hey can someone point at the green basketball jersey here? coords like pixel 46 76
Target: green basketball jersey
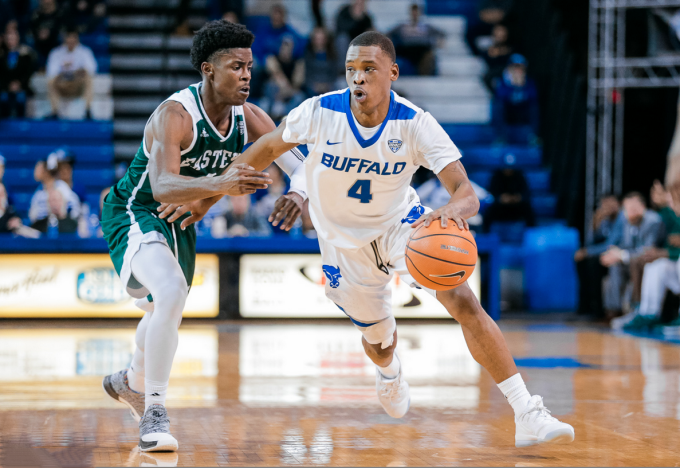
pixel 208 155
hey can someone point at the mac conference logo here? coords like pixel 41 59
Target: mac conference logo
pixel 100 286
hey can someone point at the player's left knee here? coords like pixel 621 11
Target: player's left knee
pixel 461 303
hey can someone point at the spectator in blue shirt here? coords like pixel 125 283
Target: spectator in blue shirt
pixel 516 98
pixel 270 36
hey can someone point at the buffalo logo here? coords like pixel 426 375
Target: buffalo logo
pixel 394 145
pixel 333 275
pixel 413 215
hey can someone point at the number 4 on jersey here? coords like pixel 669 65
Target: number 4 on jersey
pixel 361 190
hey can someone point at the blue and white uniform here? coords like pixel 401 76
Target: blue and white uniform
pixel 360 198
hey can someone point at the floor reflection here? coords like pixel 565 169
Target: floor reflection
pixel 303 394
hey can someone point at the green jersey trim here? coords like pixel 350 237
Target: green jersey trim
pixel 196 91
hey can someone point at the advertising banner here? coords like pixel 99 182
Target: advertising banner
pixel 293 286
pixel 86 285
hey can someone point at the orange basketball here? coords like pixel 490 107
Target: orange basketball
pixel 441 258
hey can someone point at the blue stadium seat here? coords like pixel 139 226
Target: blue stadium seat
pixel 545 206
pixel 94 179
pixel 512 256
pixel 56 132
pixel 470 134
pixel 22 202
pixel 99 43
pixel 103 64
pixel 92 199
pixel 25 156
pixel 467 8
pixel 498 156
pixel 511 231
pixel 19 179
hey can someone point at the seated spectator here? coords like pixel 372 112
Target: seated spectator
pixel 516 100
pixel 497 56
pixel 415 43
pixel 87 15
pixel 351 21
pixel 590 271
pixel 270 37
pixel 655 270
pixel 283 91
pixel 321 64
pixel 65 162
pixel 491 12
pixel 243 222
pixel 636 229
pixel 512 200
pixel 46 173
pixel 70 69
pixel 46 23
pixel 57 215
pixel 9 219
pixel 17 64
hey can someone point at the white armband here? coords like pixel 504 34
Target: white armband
pixel 292 163
pixel 290 160
pixel 298 182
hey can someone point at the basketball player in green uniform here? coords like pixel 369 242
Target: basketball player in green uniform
pixel 181 169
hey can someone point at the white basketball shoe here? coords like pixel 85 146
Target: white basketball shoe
pixel 393 394
pixel 536 426
pixel 154 431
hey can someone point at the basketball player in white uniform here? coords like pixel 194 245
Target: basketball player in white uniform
pixel 365 142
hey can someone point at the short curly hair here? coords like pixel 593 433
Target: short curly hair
pixel 217 36
pixel 374 38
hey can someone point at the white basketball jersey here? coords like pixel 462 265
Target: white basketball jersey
pixel 359 188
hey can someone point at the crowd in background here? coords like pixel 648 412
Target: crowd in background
pixel 630 259
pixel 43 37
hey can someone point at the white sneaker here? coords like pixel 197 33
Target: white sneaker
pixel 536 426
pixel 619 322
pixel 393 394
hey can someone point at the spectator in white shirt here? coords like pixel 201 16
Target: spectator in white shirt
pixel 45 173
pixel 70 69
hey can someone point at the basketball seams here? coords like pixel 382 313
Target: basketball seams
pixel 445 234
pixel 428 279
pixel 440 259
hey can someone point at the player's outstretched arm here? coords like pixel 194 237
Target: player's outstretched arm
pixel 266 149
pixel 170 126
pixel 464 203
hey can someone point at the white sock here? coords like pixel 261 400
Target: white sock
pixel 135 373
pixel 392 370
pixel 516 393
pixel 155 393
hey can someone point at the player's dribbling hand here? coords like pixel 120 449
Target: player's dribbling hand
pixel 288 209
pixel 241 179
pixel 446 212
pixel 173 212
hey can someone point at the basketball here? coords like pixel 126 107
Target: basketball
pixel 441 258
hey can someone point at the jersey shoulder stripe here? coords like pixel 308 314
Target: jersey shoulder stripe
pixel 401 109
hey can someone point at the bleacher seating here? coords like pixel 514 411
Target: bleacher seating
pixel 24 142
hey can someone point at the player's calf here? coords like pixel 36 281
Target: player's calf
pixel 461 303
pixel 382 357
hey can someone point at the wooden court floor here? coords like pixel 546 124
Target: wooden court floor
pixel 293 393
